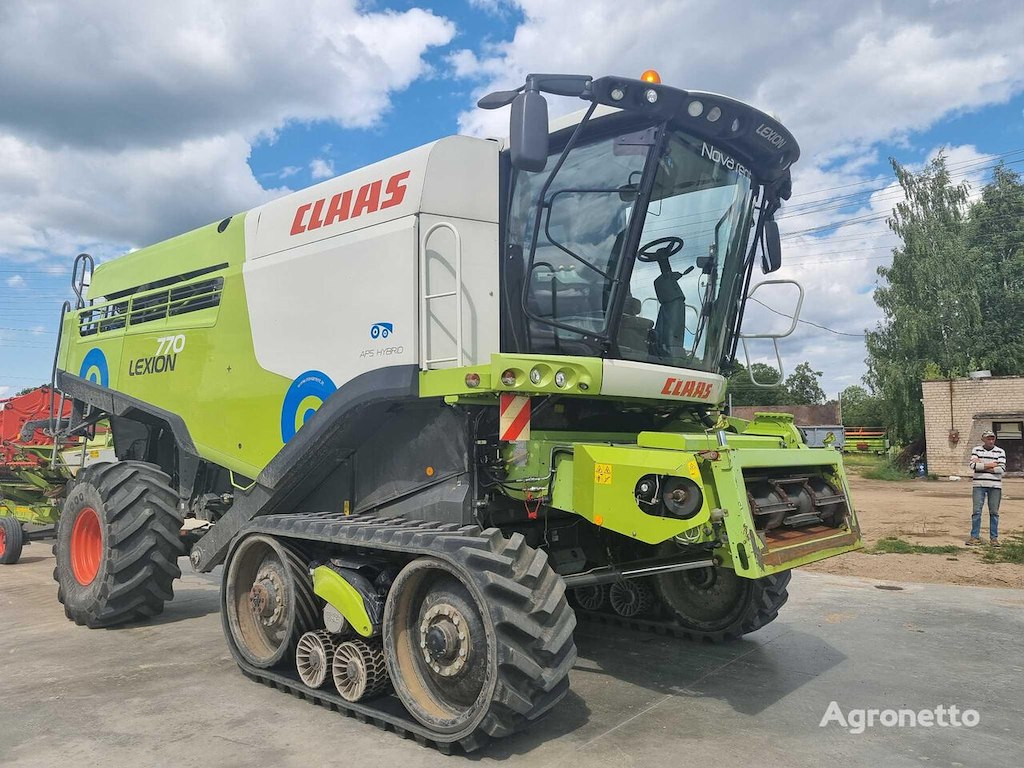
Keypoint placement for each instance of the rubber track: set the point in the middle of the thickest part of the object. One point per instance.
(772, 594)
(526, 599)
(143, 543)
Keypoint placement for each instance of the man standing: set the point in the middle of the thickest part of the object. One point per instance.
(988, 462)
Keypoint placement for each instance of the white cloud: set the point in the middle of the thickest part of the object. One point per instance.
(320, 168)
(288, 170)
(152, 138)
(15, 281)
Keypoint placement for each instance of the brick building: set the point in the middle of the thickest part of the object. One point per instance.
(957, 411)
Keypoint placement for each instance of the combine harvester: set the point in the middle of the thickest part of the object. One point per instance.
(34, 469)
(416, 405)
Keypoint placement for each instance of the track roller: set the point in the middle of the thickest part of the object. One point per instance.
(313, 656)
(631, 598)
(591, 598)
(359, 670)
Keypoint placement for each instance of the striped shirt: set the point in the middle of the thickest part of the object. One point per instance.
(988, 478)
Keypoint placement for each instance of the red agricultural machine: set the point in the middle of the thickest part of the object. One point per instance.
(34, 469)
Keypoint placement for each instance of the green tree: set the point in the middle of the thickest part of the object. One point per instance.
(745, 392)
(953, 299)
(861, 408)
(995, 236)
(803, 386)
(929, 297)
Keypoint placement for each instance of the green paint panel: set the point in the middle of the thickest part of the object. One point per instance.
(344, 597)
(230, 404)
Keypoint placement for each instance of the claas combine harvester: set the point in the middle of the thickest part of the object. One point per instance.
(430, 413)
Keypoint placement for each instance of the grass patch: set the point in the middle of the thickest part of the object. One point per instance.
(863, 460)
(1012, 551)
(885, 471)
(894, 546)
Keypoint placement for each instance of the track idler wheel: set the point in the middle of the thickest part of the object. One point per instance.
(313, 656)
(359, 670)
(591, 598)
(631, 598)
(268, 600)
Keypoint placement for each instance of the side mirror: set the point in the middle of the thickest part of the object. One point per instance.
(529, 131)
(771, 258)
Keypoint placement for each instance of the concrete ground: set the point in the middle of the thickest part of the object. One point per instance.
(168, 694)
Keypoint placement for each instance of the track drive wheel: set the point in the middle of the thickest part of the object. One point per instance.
(268, 601)
(714, 604)
(118, 543)
(11, 540)
(482, 647)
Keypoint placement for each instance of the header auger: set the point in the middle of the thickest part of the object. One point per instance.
(430, 413)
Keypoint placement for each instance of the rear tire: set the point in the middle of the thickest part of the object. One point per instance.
(484, 647)
(11, 540)
(714, 604)
(118, 543)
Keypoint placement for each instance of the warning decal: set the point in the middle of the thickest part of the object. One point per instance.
(514, 422)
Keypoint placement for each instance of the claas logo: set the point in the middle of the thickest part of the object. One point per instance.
(699, 390)
(369, 198)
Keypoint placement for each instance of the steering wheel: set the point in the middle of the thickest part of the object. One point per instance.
(662, 248)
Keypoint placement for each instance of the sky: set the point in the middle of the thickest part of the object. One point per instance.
(123, 123)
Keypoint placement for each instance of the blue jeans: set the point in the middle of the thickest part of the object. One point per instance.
(995, 495)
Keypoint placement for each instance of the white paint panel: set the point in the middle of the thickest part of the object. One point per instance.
(479, 295)
(313, 307)
(634, 379)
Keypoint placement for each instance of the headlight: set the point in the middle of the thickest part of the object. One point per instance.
(535, 375)
(561, 379)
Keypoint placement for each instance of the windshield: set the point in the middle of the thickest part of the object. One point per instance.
(689, 258)
(681, 273)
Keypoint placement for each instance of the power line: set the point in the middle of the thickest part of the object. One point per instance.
(807, 322)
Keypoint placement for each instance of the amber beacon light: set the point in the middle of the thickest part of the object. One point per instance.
(651, 76)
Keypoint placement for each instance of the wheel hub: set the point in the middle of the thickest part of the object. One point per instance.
(444, 639)
(266, 597)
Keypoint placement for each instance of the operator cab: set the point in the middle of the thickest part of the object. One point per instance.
(633, 237)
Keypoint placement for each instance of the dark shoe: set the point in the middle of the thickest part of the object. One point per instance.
(994, 543)
(974, 541)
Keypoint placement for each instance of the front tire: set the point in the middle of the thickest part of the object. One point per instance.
(118, 543)
(11, 540)
(714, 604)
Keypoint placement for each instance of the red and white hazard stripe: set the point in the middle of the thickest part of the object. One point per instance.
(514, 422)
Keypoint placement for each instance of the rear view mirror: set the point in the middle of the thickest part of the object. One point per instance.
(529, 132)
(771, 257)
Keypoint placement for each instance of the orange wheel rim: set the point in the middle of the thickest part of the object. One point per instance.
(86, 546)
(3, 542)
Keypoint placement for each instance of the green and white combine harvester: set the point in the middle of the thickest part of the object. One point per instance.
(430, 413)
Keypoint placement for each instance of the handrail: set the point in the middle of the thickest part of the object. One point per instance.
(78, 281)
(426, 298)
(795, 317)
(55, 419)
